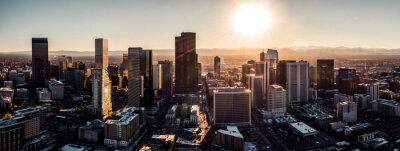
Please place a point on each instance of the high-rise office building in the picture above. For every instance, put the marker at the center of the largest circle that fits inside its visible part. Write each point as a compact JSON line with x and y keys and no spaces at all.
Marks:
{"x":146,"y":74}
{"x":199,"y":71}
{"x":69,"y":62}
{"x":259,"y":68}
{"x":124,"y":71}
{"x":326,"y":73}
{"x":57,"y":89}
{"x":255,"y":84}
{"x":246,"y":69}
{"x":79,"y":80}
{"x":134,"y":80}
{"x":166,"y":70}
{"x":272,"y":61}
{"x":341,"y":97}
{"x":346,"y":80}
{"x":101,"y":53}
{"x":232,"y":106}
{"x":54,"y":71}
{"x":40,"y":61}
{"x":373,"y":90}
{"x":275,"y":105}
{"x":62,"y":60}
{"x":263,"y":56}
{"x":217,"y":67}
{"x":363,"y":101}
{"x":347,"y":111}
{"x":101,"y":93}
{"x":297,"y":81}
{"x":282,"y":72}
{"x":101,"y":84}
{"x":157,"y":76}
{"x":186,"y":68}
{"x":313,"y":74}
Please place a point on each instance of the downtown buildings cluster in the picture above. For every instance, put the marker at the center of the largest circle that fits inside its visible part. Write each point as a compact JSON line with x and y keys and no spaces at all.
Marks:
{"x":139,"y":103}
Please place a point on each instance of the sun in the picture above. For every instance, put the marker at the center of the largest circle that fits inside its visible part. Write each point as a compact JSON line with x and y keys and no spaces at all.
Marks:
{"x":252,"y":19}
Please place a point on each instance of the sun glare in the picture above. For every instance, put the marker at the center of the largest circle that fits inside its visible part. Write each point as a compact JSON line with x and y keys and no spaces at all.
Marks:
{"x":252,"y":19}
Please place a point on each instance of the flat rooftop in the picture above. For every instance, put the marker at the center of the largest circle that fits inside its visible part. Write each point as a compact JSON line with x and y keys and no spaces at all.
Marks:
{"x":231,"y":130}
{"x":124,"y":117}
{"x":303,"y":128}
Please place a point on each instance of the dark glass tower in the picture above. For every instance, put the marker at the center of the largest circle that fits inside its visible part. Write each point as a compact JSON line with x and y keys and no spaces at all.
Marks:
{"x":166,"y":70}
{"x":40,"y":61}
{"x":217,"y":67}
{"x":346,"y":80}
{"x":326,"y":73}
{"x":186,"y":69}
{"x":134,"y":77}
{"x":146,"y":74}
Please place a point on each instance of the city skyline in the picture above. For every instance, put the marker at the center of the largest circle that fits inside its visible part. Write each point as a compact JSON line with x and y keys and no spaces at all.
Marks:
{"x":298,"y":23}
{"x":271,"y":89}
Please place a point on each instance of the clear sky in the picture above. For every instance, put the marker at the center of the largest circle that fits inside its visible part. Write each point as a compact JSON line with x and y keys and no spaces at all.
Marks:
{"x":152,"y":24}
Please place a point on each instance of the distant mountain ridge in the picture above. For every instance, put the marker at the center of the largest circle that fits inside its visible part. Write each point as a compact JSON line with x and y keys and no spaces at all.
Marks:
{"x":288,"y":51}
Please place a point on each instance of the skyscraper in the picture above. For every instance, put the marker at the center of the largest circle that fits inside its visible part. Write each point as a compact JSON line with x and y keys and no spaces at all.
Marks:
{"x":40,"y":61}
{"x":69,"y":62}
{"x":313,"y":74}
{"x":282,"y":72}
{"x":134,"y":79}
{"x":232,"y":106}
{"x":346,"y":80}
{"x":157,"y":76}
{"x":186,"y":68}
{"x":255,"y":84}
{"x":101,"y":53}
{"x":62,"y":60}
{"x":373,"y":90}
{"x":146,"y":74}
{"x":326,"y":73}
{"x":275,"y":105}
{"x":246,"y":69}
{"x":217,"y":67}
{"x":101,"y":88}
{"x":272,"y":59}
{"x":297,"y":81}
{"x":124,"y":71}
{"x":166,"y":70}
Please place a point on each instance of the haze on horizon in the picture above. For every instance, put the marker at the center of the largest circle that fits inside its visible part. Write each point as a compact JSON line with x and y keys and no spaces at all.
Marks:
{"x":73,"y":25}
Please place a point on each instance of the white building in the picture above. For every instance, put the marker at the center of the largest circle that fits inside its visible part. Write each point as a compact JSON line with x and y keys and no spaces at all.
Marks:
{"x":340,"y":97}
{"x":373,"y":90}
{"x":276,"y":102}
{"x":362,"y":100}
{"x":347,"y":111}
{"x":43,"y":94}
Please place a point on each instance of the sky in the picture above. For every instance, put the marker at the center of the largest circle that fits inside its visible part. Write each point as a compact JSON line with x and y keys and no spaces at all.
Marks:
{"x":153,"y":24}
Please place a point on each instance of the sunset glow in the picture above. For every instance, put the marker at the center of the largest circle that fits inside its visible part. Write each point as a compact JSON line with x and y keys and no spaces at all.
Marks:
{"x":252,"y":19}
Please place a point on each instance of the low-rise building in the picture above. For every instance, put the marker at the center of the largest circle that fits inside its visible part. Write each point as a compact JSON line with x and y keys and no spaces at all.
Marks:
{"x":120,"y":130}
{"x":230,"y":138}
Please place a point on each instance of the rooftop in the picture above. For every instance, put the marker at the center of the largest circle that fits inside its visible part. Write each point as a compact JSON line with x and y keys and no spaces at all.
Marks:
{"x":124,"y":117}
{"x":6,"y":89}
{"x":231,"y":130}
{"x":303,"y":128}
